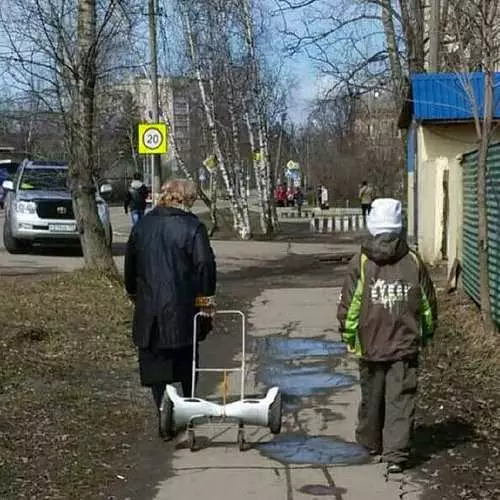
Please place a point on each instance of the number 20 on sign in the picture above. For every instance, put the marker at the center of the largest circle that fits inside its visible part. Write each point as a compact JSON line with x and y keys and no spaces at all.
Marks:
{"x":153,"y":138}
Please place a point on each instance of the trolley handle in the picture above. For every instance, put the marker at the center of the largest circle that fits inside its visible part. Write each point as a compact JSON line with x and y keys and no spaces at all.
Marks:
{"x":226,"y":312}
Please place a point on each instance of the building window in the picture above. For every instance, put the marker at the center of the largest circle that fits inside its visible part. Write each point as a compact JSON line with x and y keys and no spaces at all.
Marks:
{"x":181,"y":106}
{"x":181,"y":132}
{"x":180,"y":121}
{"x":182,"y":144}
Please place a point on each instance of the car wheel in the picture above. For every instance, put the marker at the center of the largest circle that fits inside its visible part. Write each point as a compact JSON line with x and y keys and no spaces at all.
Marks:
{"x":13,"y":245}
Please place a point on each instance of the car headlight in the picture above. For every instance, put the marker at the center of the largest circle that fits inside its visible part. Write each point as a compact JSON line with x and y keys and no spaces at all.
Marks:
{"x":26,"y":207}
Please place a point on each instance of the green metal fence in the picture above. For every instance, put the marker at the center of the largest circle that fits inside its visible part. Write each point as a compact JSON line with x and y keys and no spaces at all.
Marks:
{"x":470,"y":255}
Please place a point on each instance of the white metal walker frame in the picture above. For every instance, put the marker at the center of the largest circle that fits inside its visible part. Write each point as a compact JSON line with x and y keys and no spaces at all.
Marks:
{"x":179,"y":411}
{"x":241,"y":369}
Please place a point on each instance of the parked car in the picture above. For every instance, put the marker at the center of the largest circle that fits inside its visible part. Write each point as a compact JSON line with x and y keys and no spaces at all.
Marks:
{"x":39,"y":209}
{"x":8,"y":169}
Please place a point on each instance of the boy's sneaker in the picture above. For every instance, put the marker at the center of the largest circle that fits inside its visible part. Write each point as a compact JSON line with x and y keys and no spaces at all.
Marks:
{"x":393,"y":468}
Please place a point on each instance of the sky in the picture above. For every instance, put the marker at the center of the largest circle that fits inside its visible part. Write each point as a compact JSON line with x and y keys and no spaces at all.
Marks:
{"x":349,"y":44}
{"x":311,"y":84}
{"x":304,"y":78}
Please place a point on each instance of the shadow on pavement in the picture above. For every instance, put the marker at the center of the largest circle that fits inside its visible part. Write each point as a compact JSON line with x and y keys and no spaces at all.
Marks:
{"x":429,"y":440}
{"x":65,"y":250}
{"x":119,"y":249}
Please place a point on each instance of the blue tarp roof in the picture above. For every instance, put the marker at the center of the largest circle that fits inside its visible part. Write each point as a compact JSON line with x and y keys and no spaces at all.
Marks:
{"x":450,"y":96}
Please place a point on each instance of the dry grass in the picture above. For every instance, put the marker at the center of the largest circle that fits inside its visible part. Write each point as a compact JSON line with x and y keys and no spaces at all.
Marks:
{"x":464,"y":347}
{"x":67,"y":408}
{"x":459,"y":407}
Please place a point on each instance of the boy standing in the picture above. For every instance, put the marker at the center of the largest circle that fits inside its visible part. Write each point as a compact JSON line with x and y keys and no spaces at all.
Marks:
{"x":387,"y":310}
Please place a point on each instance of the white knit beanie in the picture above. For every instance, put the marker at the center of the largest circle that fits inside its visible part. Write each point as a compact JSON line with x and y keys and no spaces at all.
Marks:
{"x":385,"y":217}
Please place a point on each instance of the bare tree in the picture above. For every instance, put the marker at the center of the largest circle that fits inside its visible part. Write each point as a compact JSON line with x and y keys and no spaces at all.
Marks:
{"x":349,"y":139}
{"x":203,"y":40}
{"x":67,"y":46}
{"x":484,"y":30}
{"x":256,"y":109}
{"x":343,"y":39}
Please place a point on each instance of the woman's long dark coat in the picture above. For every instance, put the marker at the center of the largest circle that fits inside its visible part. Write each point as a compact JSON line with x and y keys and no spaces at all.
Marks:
{"x":168,"y":264}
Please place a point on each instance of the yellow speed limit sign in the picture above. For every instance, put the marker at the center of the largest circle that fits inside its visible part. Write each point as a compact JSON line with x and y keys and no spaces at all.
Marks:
{"x":153,"y":138}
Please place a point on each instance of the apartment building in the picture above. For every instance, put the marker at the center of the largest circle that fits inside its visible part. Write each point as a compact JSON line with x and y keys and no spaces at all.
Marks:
{"x":374,"y":115}
{"x":177,"y":97}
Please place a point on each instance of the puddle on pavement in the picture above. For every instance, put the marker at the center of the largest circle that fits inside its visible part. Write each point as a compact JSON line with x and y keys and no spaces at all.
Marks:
{"x":280,"y":348}
{"x":305,"y":380}
{"x":297,"y":449}
{"x":291,"y":403}
{"x":319,"y":490}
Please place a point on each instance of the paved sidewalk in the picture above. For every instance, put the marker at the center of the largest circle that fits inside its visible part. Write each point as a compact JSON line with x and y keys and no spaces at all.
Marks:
{"x":221,"y":472}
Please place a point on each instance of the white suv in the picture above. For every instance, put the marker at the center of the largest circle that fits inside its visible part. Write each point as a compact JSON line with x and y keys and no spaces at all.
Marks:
{"x":39,"y":209}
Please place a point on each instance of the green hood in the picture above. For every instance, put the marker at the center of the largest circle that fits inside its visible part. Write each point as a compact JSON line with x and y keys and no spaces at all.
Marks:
{"x":385,"y":248}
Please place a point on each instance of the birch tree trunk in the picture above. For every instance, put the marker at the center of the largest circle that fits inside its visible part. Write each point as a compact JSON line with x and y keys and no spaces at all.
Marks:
{"x":243,"y":230}
{"x":235,"y":140}
{"x":267,"y":177}
{"x":185,"y":171}
{"x":130,"y":136}
{"x":238,"y":171}
{"x":259,"y":180}
{"x":213,"y":202}
{"x":97,"y":254}
{"x":257,"y":108}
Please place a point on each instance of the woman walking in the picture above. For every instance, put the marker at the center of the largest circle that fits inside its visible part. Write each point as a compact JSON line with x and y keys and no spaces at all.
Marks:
{"x":170,"y":275}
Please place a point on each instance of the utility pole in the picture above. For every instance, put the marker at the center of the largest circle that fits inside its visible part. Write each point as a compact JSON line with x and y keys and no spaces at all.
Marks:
{"x":153,"y":57}
{"x":434,"y":38}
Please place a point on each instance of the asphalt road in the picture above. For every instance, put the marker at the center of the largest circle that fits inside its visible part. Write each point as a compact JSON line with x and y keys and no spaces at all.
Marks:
{"x":46,"y":260}
{"x":231,"y":255}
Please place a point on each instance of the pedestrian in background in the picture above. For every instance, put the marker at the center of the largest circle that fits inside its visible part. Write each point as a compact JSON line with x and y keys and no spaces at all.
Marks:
{"x":281,"y":195}
{"x":299,"y":199}
{"x":290,"y":196}
{"x":387,"y":312}
{"x":319,"y":189}
{"x":366,"y":199}
{"x":170,"y":275}
{"x":324,"y":198}
{"x":135,"y":199}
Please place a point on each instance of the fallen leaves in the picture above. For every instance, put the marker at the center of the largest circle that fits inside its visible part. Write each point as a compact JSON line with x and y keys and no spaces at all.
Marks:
{"x":65,"y":356}
{"x":460,"y":399}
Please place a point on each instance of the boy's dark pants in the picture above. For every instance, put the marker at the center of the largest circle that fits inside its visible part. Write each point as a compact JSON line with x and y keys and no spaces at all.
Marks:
{"x":387,"y":409}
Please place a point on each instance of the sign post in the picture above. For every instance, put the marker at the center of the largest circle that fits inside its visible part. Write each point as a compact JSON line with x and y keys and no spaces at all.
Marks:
{"x":153,"y":140}
{"x":293,"y":172}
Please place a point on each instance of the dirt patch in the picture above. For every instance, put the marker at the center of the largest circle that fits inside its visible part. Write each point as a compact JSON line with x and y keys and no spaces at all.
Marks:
{"x":74,"y":421}
{"x":67,"y":410}
{"x":457,"y":441}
